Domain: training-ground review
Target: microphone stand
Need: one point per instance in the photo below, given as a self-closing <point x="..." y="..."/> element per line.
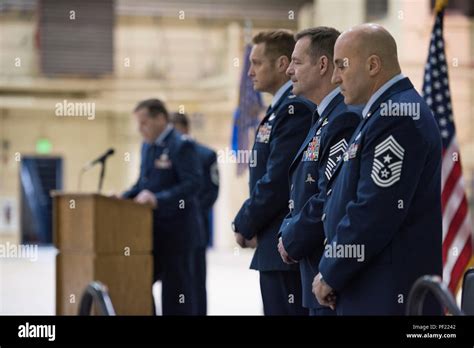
<point x="101" y="178"/>
<point x="102" y="174"/>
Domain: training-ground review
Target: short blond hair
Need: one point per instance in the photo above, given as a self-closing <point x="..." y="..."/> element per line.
<point x="277" y="43"/>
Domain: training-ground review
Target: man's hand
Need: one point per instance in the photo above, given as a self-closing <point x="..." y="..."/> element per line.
<point x="240" y="239"/>
<point x="284" y="255"/>
<point x="323" y="292"/>
<point x="145" y="197"/>
<point x="252" y="243"/>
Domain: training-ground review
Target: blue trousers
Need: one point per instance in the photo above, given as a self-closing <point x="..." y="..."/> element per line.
<point x="199" y="270"/>
<point x="174" y="269"/>
<point x="321" y="312"/>
<point x="281" y="293"/>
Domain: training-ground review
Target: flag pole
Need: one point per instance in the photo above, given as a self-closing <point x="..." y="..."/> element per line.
<point x="440" y="5"/>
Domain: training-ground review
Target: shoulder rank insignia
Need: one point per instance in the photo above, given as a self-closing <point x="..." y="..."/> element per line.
<point x="335" y="155"/>
<point x="388" y="160"/>
<point x="214" y="173"/>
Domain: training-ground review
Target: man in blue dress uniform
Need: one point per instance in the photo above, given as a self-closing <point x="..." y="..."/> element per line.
<point x="169" y="175"/>
<point x="382" y="215"/>
<point x="278" y="138"/>
<point x="207" y="196"/>
<point x="302" y="233"/>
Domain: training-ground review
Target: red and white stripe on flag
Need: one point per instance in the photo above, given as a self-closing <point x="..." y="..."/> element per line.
<point x="457" y="223"/>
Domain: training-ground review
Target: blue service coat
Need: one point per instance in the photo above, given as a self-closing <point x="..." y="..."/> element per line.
<point x="278" y="138"/>
<point x="171" y="171"/>
<point x="385" y="197"/>
<point x="302" y="231"/>
<point x="209" y="190"/>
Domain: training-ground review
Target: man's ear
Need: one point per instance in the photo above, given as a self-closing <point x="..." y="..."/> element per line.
<point x="282" y="64"/>
<point x="323" y="62"/>
<point x="374" y="64"/>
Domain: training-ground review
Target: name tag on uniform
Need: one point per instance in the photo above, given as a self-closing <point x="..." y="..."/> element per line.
<point x="263" y="134"/>
<point x="312" y="151"/>
<point x="351" y="152"/>
<point x="163" y="162"/>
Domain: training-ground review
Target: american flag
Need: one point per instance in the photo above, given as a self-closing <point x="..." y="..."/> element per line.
<point x="457" y="224"/>
<point x="247" y="112"/>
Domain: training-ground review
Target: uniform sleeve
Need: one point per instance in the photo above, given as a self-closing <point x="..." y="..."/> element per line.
<point x="132" y="192"/>
<point x="269" y="197"/>
<point x="189" y="173"/>
<point x="210" y="186"/>
<point x="304" y="232"/>
<point x="135" y="190"/>
<point x="375" y="216"/>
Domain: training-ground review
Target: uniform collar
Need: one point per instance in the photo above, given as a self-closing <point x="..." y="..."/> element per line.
<point x="379" y="92"/>
<point x="280" y="92"/>
<point x="161" y="138"/>
<point x="327" y="99"/>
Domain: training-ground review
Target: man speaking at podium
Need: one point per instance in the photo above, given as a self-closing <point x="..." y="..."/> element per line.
<point x="169" y="175"/>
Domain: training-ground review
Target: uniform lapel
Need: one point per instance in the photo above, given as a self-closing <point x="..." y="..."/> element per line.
<point x="282" y="98"/>
<point x="305" y="143"/>
<point x="334" y="102"/>
<point x="272" y="109"/>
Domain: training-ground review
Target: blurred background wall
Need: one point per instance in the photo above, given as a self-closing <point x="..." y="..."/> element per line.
<point x="111" y="54"/>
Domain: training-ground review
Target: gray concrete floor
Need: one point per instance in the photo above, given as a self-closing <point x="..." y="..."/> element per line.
<point x="28" y="287"/>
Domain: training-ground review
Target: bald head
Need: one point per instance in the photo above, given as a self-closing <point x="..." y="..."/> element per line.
<point x="373" y="39"/>
<point x="368" y="54"/>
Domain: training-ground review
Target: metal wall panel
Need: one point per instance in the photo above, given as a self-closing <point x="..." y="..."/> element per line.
<point x="76" y="37"/>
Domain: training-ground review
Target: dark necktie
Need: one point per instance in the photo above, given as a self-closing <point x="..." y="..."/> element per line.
<point x="151" y="156"/>
<point x="315" y="117"/>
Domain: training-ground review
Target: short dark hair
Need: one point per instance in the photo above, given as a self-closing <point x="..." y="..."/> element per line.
<point x="322" y="41"/>
<point x="154" y="107"/>
<point x="277" y="43"/>
<point x="181" y="119"/>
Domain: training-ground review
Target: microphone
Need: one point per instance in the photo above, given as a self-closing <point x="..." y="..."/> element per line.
<point x="99" y="159"/>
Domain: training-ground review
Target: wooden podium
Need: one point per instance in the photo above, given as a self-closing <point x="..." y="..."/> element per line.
<point x="105" y="239"/>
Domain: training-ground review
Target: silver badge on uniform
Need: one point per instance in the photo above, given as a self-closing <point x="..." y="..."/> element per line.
<point x="272" y="117"/>
<point x="351" y="152"/>
<point x="388" y="160"/>
<point x="309" y="179"/>
<point x="335" y="155"/>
